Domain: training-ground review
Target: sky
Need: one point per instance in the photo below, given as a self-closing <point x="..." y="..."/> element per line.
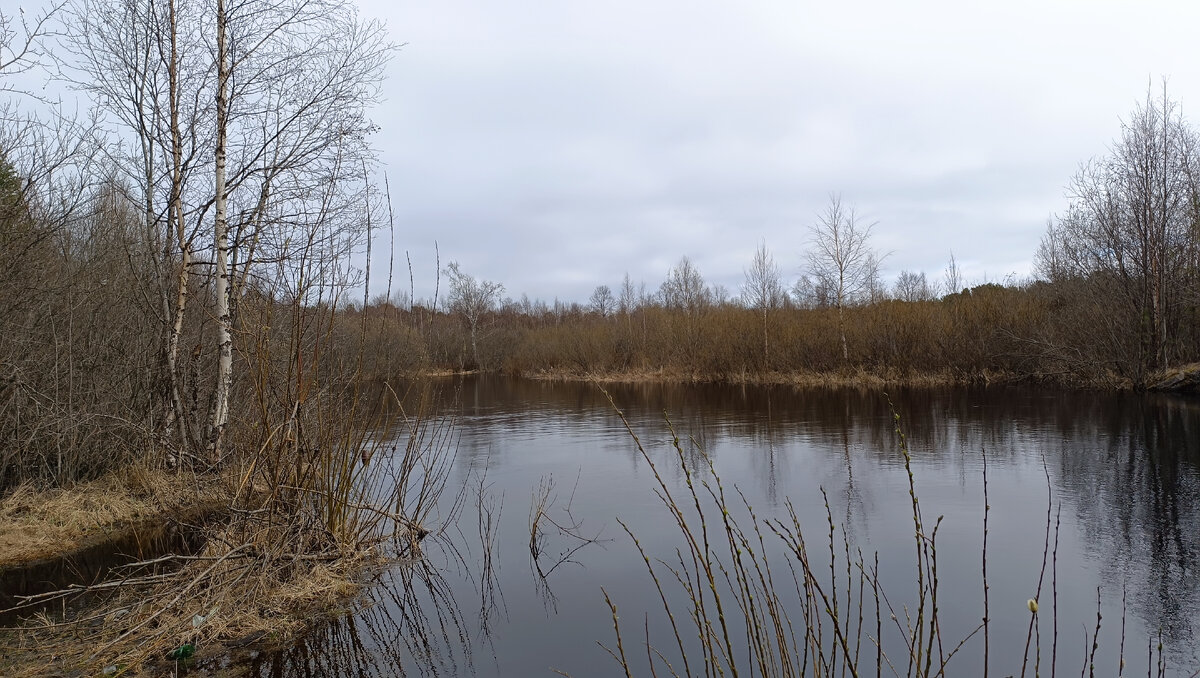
<point x="556" y="146"/>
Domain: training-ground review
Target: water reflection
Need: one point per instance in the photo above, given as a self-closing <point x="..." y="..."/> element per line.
<point x="1122" y="468"/>
<point x="99" y="562"/>
<point x="409" y="624"/>
<point x="1138" y="469"/>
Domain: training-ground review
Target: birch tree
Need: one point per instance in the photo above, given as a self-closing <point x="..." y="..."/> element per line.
<point x="143" y="62"/>
<point x="952" y="278"/>
<point x="684" y="289"/>
<point x="244" y="116"/>
<point x="219" y="415"/>
<point x="299" y="76"/>
<point x="841" y="258"/>
<point x="471" y="298"/>
<point x="763" y="289"/>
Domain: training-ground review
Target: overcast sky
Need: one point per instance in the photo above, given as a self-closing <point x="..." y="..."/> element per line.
<point x="554" y="146"/>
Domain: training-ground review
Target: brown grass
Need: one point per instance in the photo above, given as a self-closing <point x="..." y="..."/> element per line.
<point x="851" y="377"/>
<point x="240" y="600"/>
<point x="757" y="611"/>
<point x="433" y="373"/>
<point x="307" y="517"/>
<point x="38" y="525"/>
<point x="1183" y="378"/>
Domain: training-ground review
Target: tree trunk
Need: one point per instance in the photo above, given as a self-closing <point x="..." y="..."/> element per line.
<point x="220" y="408"/>
<point x="474" y="346"/>
<point x="842" y="331"/>
<point x="175" y="223"/>
<point x="766" y="359"/>
<point x="841" y="303"/>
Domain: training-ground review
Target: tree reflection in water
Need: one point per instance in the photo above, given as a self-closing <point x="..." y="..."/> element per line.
<point x="1124" y="469"/>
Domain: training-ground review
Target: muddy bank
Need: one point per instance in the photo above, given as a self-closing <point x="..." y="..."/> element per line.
<point x="42" y="526"/>
<point x="1183" y="379"/>
<point x="260" y="574"/>
<point x="95" y="563"/>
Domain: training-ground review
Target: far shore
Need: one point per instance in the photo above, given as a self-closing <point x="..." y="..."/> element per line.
<point x="855" y="377"/>
<point x="851" y="378"/>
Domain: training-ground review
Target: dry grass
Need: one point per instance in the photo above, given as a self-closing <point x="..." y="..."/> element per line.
<point x="41" y="524"/>
<point x="256" y="578"/>
<point x="218" y="596"/>
<point x="1183" y="378"/>
<point x="310" y="516"/>
<point x="853" y="377"/>
<point x="734" y="606"/>
<point x="433" y="373"/>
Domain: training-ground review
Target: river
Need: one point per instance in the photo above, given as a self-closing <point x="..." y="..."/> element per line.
<point x="1101" y="487"/>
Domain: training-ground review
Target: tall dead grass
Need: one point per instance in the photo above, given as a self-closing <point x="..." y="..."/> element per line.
<point x="38" y="524"/>
<point x="325" y="474"/>
<point x="306" y="524"/>
<point x="748" y="595"/>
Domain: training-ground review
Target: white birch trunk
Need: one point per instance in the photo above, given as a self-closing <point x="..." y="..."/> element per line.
<point x="175" y="221"/>
<point x="220" y="409"/>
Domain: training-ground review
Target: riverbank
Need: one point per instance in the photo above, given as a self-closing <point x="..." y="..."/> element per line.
<point x="40" y="525"/>
<point x="1182" y="379"/>
<point x="859" y="377"/>
<point x="259" y="575"/>
<point x="134" y="633"/>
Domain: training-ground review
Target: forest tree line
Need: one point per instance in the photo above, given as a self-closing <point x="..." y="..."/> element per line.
<point x="697" y="331"/>
<point x="178" y="275"/>
<point x="1114" y="300"/>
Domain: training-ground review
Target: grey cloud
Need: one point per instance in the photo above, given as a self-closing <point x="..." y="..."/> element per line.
<point x="554" y="146"/>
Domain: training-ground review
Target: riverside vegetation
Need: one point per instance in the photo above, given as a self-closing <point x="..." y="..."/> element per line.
<point x="171" y="338"/>
<point x="181" y="335"/>
<point x="1115" y="302"/>
<point x="735" y="606"/>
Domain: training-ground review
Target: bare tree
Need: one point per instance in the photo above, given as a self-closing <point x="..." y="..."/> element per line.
<point x="874" y="290"/>
<point x="150" y="77"/>
<point x="1129" y="235"/>
<point x="684" y="288"/>
<point x="763" y="289"/>
<point x="472" y="299"/>
<point x="718" y="294"/>
<point x="602" y="301"/>
<point x="627" y="301"/>
<point x="685" y="293"/>
<point x="912" y="286"/>
<point x="953" y="277"/>
<point x="809" y="293"/>
<point x="298" y="129"/>
<point x="841" y="259"/>
<point x="1048" y="261"/>
<point x="244" y="129"/>
<point x="22" y="43"/>
<point x="219" y="415"/>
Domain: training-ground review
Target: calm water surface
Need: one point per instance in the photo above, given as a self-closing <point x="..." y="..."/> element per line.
<point x="1117" y="473"/>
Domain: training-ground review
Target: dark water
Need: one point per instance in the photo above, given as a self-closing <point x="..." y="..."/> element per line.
<point x="99" y="562"/>
<point x="1118" y="473"/>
